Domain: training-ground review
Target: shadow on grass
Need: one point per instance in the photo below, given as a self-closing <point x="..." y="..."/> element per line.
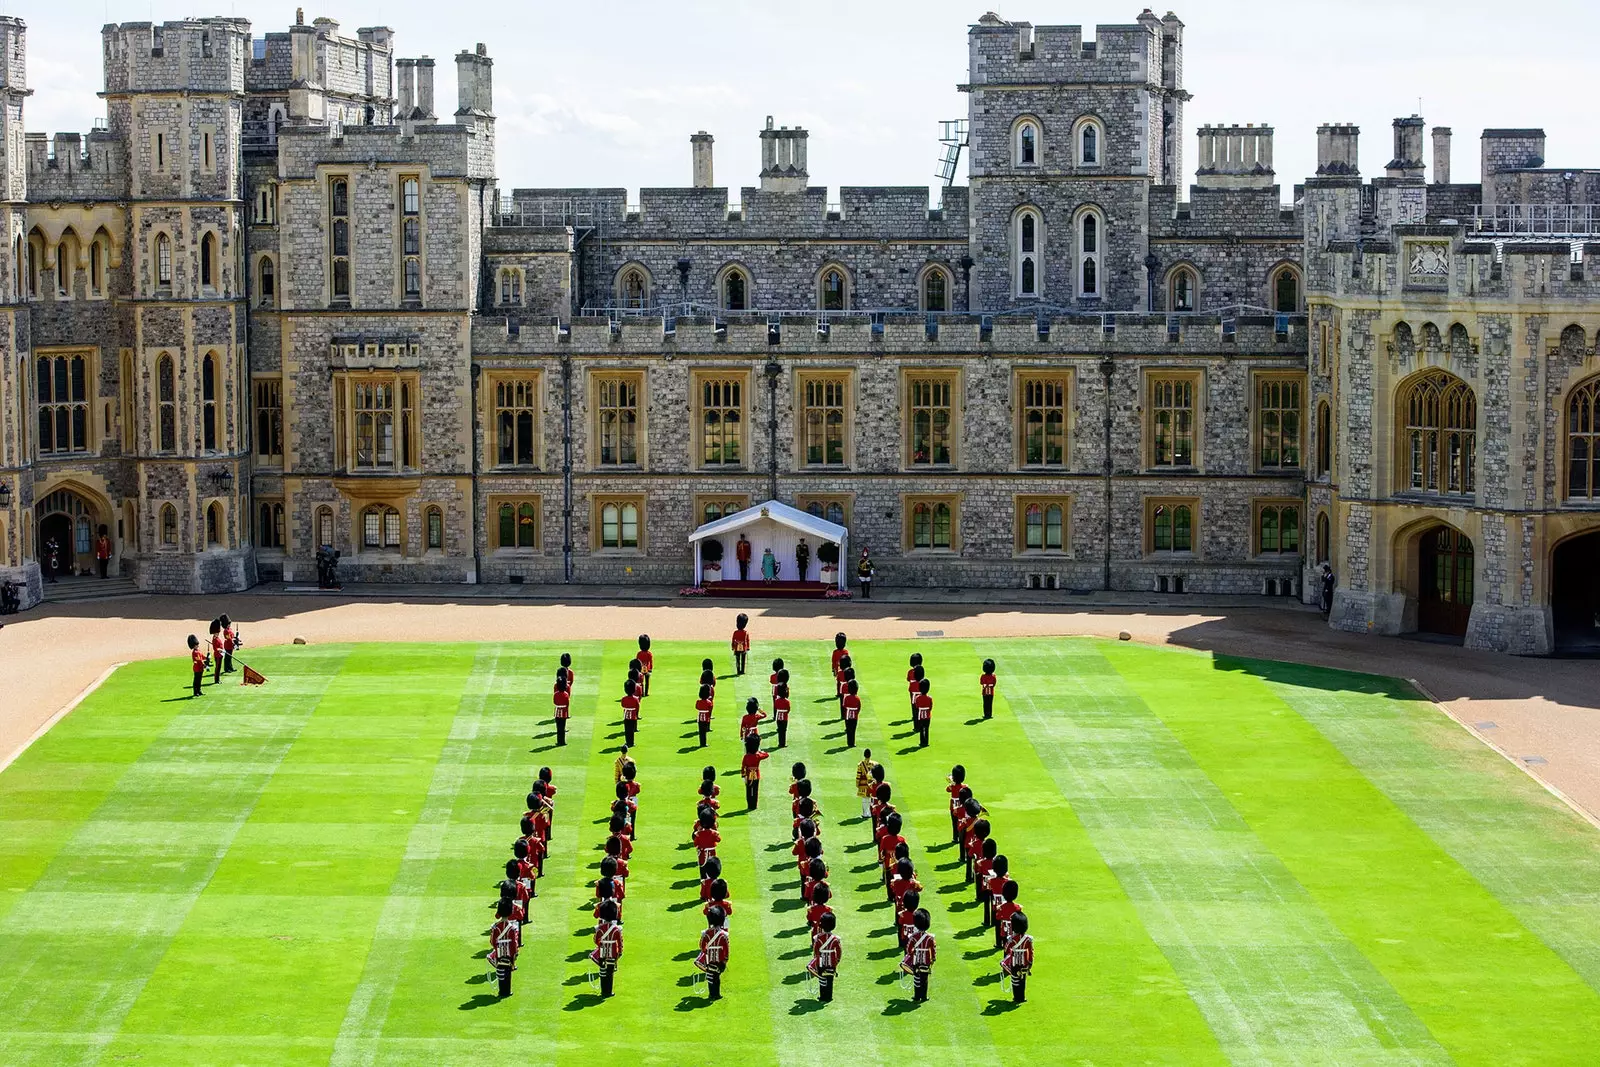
<point x="684" y="957"/>
<point x="694" y="1003"/>
<point x="945" y="847"/>
<point x="477" y="979"/>
<point x="796" y="954"/>
<point x="951" y="866"/>
<point x="981" y="953"/>
<point x="796" y="932"/>
<point x="987" y="979"/>
<point x="683" y="905"/>
<point x="1000" y="1007"/>
<point x="794" y="979"/>
<point x="690" y="866"/>
<point x="848" y="848"/>
<point x="787" y="904"/>
<point x="480" y="1000"/>
<point x="975" y="932"/>
<point x="780" y="847"/>
<point x="835" y="752"/>
<point x="901" y="1006"/>
<point x="544" y="748"/>
<point x="965" y="905"/>
<point x="686" y="883"/>
<point x="584" y="1000"/>
<point x="685" y="750"/>
<point x="581" y="954"/>
<point x="806" y="1007"/>
<point x="884" y="954"/>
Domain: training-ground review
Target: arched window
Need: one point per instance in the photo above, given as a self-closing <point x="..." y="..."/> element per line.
<point x="35" y="262"/>
<point x="1286" y="290"/>
<point x="380" y="527"/>
<point x="163" y="261"/>
<point x="267" y="289"/>
<point x="832" y="511"/>
<point x="935" y="289"/>
<point x="1460" y="342"/>
<point x="1324" y="538"/>
<point x="100" y="263"/>
<point x="1583" y="442"/>
<point x="169" y="524"/>
<point x="339" y="238"/>
<point x="633" y="288"/>
<point x="1173" y="528"/>
<point x="619" y="526"/>
<point x="1278" y="529"/>
<point x="1089" y="140"/>
<point x="930" y="525"/>
<point x="1324" y="438"/>
<point x="324" y="527"/>
<point x="214" y="525"/>
<point x="1404" y="344"/>
<point x="209" y="267"/>
<point x="833" y="289"/>
<point x="434" y="519"/>
<point x="167" y="404"/>
<point x="1025" y="150"/>
<point x="208" y="402"/>
<point x="1440" y="436"/>
<point x="510" y="287"/>
<point x="66" y="259"/>
<point x="735" y="295"/>
<point x="1431" y="341"/>
<point x="1028" y="243"/>
<point x="1183" y="290"/>
<point x="1090" y="239"/>
<point x="1042" y="527"/>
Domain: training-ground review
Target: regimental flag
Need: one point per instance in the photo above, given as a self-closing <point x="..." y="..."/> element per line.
<point x="252" y="676"/>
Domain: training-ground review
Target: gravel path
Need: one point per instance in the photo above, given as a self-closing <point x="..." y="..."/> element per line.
<point x="1532" y="710"/>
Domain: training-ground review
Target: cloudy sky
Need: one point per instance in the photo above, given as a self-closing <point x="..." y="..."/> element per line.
<point x="607" y="93"/>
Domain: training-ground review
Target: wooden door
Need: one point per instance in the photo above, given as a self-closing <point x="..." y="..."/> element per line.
<point x="1445" y="569"/>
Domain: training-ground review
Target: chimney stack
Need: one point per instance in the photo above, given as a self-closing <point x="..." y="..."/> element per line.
<point x="1339" y="151"/>
<point x="700" y="149"/>
<point x="407" y="69"/>
<point x="425" y="90"/>
<point x="1407" y="162"/>
<point x="1235" y="157"/>
<point x="475" y="84"/>
<point x="1441" y="155"/>
<point x="783" y="159"/>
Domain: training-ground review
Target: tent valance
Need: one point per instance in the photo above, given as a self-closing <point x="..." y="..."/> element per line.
<point x="771" y="525"/>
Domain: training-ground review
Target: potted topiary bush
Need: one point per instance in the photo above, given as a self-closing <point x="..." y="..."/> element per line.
<point x="711" y="561"/>
<point x="828" y="556"/>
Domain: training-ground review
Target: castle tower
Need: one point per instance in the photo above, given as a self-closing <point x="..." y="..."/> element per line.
<point x="189" y="378"/>
<point x="1068" y="134"/>
<point x="16" y="480"/>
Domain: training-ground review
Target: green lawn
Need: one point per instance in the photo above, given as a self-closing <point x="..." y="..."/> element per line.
<point x="1224" y="862"/>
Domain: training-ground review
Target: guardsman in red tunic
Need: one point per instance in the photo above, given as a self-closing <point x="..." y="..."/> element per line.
<point x="565" y="664"/>
<point x="1016" y="962"/>
<point x="842" y="679"/>
<point x="780" y="711"/>
<point x="880" y="799"/>
<point x="713" y="957"/>
<point x="630" y="792"/>
<point x="702" y="713"/>
<point x="826" y="952"/>
<point x="982" y="870"/>
<point x="804" y="833"/>
<point x="514" y="889"/>
<point x="816" y="874"/>
<point x="216" y="651"/>
<point x="986" y="684"/>
<point x="713" y="869"/>
<point x="852" y="715"/>
<point x="1007" y="907"/>
<point x="839" y="651"/>
<point x="505" y="941"/>
<point x="562" y="699"/>
<point x="924" y="713"/>
<point x="820" y="896"/>
<point x="750" y="723"/>
<point x="958" y="782"/>
<point x="197" y="660"/>
<point x="228" y="643"/>
<point x="618" y="828"/>
<point x="534" y="853"/>
<point x="605" y="891"/>
<point x="630" y="711"/>
<point x="888" y="839"/>
<point x="977" y="834"/>
<point x="614" y="850"/>
<point x="994" y="884"/>
<point x="740" y="643"/>
<point x="921" y="954"/>
<point x="905" y="919"/>
<point x="912" y="678"/>
<point x="719" y="899"/>
<point x="647" y="662"/>
<point x="750" y="770"/>
<point x="708" y="797"/>
<point x="706" y="838"/>
<point x="607" y="952"/>
<point x="797" y="774"/>
<point x="773" y="679"/>
<point x="547" y="780"/>
<point x="903" y="882"/>
<point x="619" y="886"/>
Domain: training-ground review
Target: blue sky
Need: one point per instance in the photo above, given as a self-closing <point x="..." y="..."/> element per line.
<point x="608" y="93"/>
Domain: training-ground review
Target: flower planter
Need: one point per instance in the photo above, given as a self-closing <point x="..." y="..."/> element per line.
<point x="710" y="572"/>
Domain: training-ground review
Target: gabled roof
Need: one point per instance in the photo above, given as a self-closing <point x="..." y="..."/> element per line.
<point x="782" y="514"/>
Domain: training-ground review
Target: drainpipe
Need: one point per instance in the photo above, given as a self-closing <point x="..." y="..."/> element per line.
<point x="477" y="488"/>
<point x="773" y="370"/>
<point x="1107" y="369"/>
<point x="566" y="466"/>
<point x="966" y="282"/>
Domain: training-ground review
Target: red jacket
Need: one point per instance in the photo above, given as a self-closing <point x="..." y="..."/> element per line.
<point x="987" y="683"/>
<point x="706" y="841"/>
<point x="750" y="766"/>
<point x="839" y="654"/>
<point x="1018" y="957"/>
<point x="921" y="950"/>
<point x="749" y="722"/>
<point x="630" y="708"/>
<point x="826" y="952"/>
<point x="741" y="551"/>
<point x="815" y="913"/>
<point x="924" y="705"/>
<point x="780" y="709"/>
<point x="725" y="905"/>
<point x="199" y="657"/>
<point x="713" y="947"/>
<point x="561" y="701"/>
<point x="1003" y="913"/>
<point x="702" y="710"/>
<point x="505" y="941"/>
<point x="741" y="641"/>
<point x="647" y="662"/>
<point x="607" y="941"/>
<point x="852" y="706"/>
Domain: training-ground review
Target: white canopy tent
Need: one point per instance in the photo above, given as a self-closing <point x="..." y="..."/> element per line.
<point x="775" y="526"/>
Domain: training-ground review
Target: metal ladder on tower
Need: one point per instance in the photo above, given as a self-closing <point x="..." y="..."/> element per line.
<point x="953" y="135"/>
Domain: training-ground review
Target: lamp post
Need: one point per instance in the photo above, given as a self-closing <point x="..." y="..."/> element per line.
<point x="5" y="494"/>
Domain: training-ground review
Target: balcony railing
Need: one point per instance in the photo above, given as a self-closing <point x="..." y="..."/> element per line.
<point x="1537" y="220"/>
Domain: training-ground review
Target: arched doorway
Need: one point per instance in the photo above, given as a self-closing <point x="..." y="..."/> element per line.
<point x="1444" y="574"/>
<point x="72" y="522"/>
<point x="1575" y="593"/>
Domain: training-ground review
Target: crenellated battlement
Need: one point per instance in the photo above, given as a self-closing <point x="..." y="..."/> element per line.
<point x="13" y="54"/>
<point x="448" y="149"/>
<point x="1019" y="53"/>
<point x="192" y="55"/>
<point x="72" y="166"/>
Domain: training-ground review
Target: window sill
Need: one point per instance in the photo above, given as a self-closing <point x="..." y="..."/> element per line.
<point x="515" y="468"/>
<point x="1425" y="496"/>
<point x="930" y="468"/>
<point x="1277" y="557"/>
<point x="933" y="552"/>
<point x="1159" y="556"/>
<point x="618" y="468"/>
<point x="1172" y="470"/>
<point x="626" y="553"/>
<point x="1044" y="553"/>
<point x="1281" y="472"/>
<point x="503" y="553"/>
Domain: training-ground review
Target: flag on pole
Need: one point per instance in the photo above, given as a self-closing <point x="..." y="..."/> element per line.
<point x="252" y="676"/>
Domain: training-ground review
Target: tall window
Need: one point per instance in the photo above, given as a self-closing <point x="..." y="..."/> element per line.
<point x="1028" y="243"/>
<point x="1441" y="433"/>
<point x="1027" y="146"/>
<point x="1324" y="438"/>
<point x="1324" y="538"/>
<point x="510" y="287"/>
<point x="208" y="261"/>
<point x="721" y="421"/>
<point x="1043" y="526"/>
<point x="516" y="421"/>
<point x="266" y="203"/>
<point x="324" y="528"/>
<point x="619" y="525"/>
<point x="214" y="526"/>
<point x="411" y="236"/>
<point x="827" y="510"/>
<point x="633" y="289"/>
<point x="269" y="526"/>
<point x="1044" y="422"/>
<point x="1278" y="429"/>
<point x="824" y="419"/>
<point x="62" y="386"/>
<point x="380" y="527"/>
<point x="1172" y="528"/>
<point x="434" y="518"/>
<point x="375" y="419"/>
<point x="518" y="524"/>
<point x="269" y="420"/>
<point x="1172" y="420"/>
<point x="617" y="409"/>
<point x="1089" y="144"/>
<point x="1278" y="529"/>
<point x="167" y="404"/>
<point x="930" y="524"/>
<point x="1286" y="291"/>
<point x="935" y="290"/>
<point x="1184" y="287"/>
<point x="735" y="290"/>
<point x="163" y="261"/>
<point x="1089" y="239"/>
<point x="374" y="408"/>
<point x="66" y="256"/>
<point x="833" y="290"/>
<point x="267" y="290"/>
<point x="169" y="524"/>
<point x="1583" y="442"/>
<point x="35" y="263"/>
<point x="339" y="237"/>
<point x="99" y="260"/>
<point x="932" y="420"/>
<point x="208" y="403"/>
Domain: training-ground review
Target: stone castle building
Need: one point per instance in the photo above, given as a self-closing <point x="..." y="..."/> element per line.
<point x="276" y="303"/>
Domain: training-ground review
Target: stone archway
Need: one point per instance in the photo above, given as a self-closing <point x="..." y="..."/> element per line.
<point x="1575" y="593"/>
<point x="73" y="520"/>
<point x="1445" y="560"/>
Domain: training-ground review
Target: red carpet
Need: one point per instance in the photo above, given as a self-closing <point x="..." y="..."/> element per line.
<point x="773" y="590"/>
